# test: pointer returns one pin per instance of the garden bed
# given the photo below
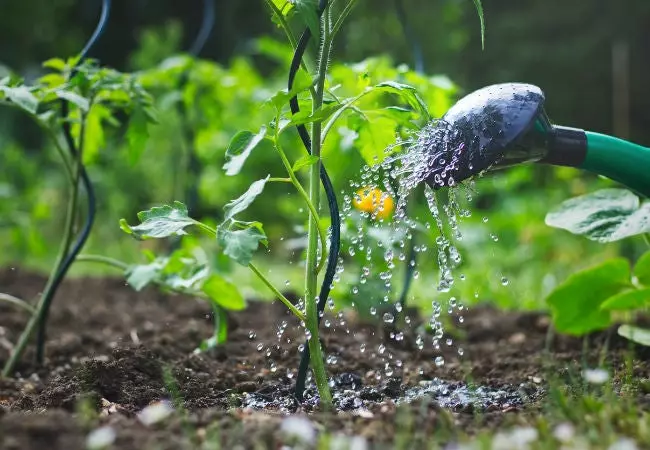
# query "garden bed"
(113, 352)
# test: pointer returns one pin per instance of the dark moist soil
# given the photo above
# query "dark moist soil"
(113, 352)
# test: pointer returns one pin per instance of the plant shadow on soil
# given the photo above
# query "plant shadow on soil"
(110, 348)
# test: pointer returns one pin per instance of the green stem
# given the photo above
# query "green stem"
(64, 247)
(22, 304)
(307, 200)
(646, 238)
(103, 260)
(278, 294)
(280, 180)
(311, 274)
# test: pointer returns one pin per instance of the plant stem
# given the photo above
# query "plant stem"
(311, 274)
(22, 304)
(103, 260)
(280, 180)
(34, 321)
(646, 238)
(307, 199)
(278, 294)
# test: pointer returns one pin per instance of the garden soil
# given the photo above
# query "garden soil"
(113, 351)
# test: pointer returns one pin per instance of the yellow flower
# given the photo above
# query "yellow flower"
(372, 200)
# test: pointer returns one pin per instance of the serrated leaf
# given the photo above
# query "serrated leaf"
(642, 269)
(240, 245)
(160, 222)
(408, 93)
(637, 335)
(304, 161)
(137, 134)
(606, 215)
(576, 302)
(240, 204)
(307, 10)
(240, 148)
(223, 293)
(74, 98)
(22, 97)
(629, 300)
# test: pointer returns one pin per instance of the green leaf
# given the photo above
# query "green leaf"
(160, 222)
(374, 137)
(240, 147)
(575, 304)
(302, 83)
(137, 134)
(637, 335)
(220, 331)
(305, 161)
(55, 63)
(479, 10)
(307, 10)
(321, 114)
(241, 244)
(606, 215)
(22, 97)
(238, 205)
(642, 269)
(629, 300)
(74, 98)
(223, 293)
(139, 276)
(408, 93)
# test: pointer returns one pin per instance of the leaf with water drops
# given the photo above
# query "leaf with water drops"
(606, 215)
(241, 244)
(160, 222)
(242, 202)
(240, 148)
(409, 93)
(576, 303)
(638, 335)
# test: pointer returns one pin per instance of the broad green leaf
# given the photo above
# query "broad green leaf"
(240, 147)
(55, 63)
(629, 300)
(642, 269)
(374, 137)
(241, 244)
(285, 6)
(94, 138)
(305, 161)
(638, 335)
(576, 302)
(160, 222)
(22, 97)
(606, 215)
(409, 93)
(74, 98)
(137, 134)
(479, 10)
(307, 10)
(238, 205)
(223, 293)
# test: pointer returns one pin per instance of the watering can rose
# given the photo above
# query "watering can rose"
(374, 201)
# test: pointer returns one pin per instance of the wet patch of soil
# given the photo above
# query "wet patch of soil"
(113, 352)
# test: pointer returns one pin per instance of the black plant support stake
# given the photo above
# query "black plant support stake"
(335, 236)
(90, 195)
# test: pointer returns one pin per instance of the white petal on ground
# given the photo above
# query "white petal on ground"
(156, 412)
(299, 428)
(595, 376)
(100, 438)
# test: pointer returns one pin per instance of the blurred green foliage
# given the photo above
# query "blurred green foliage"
(202, 104)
